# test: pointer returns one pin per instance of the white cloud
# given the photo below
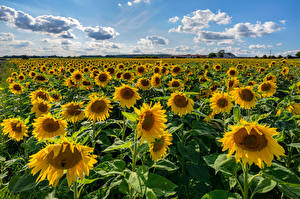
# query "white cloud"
(200, 19)
(173, 19)
(119, 4)
(259, 46)
(6, 36)
(8, 41)
(102, 45)
(289, 52)
(283, 21)
(130, 3)
(151, 41)
(53, 25)
(279, 44)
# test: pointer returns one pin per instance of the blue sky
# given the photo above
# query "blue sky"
(92, 27)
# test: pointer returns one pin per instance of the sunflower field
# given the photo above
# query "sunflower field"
(150, 128)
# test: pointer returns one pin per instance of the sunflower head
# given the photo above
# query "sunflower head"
(270, 78)
(55, 96)
(220, 102)
(40, 78)
(156, 80)
(180, 103)
(176, 70)
(232, 83)
(143, 84)
(252, 143)
(15, 128)
(232, 72)
(47, 126)
(40, 107)
(126, 95)
(16, 88)
(77, 76)
(73, 111)
(98, 108)
(87, 84)
(175, 84)
(127, 76)
(140, 70)
(160, 145)
(56, 159)
(151, 122)
(102, 79)
(245, 97)
(39, 94)
(267, 88)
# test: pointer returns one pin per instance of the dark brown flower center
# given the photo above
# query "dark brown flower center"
(265, 87)
(17, 87)
(175, 84)
(222, 103)
(78, 76)
(127, 93)
(246, 95)
(86, 83)
(127, 76)
(269, 78)
(16, 127)
(42, 95)
(65, 160)
(98, 106)
(141, 69)
(50, 125)
(102, 77)
(145, 82)
(148, 121)
(156, 70)
(158, 145)
(73, 110)
(250, 142)
(40, 78)
(111, 70)
(176, 69)
(232, 72)
(180, 101)
(42, 107)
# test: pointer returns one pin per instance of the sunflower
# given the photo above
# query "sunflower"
(40, 107)
(156, 80)
(39, 94)
(151, 122)
(56, 159)
(270, 78)
(70, 83)
(140, 70)
(175, 84)
(40, 78)
(160, 145)
(16, 88)
(176, 70)
(87, 85)
(156, 69)
(220, 103)
(251, 83)
(73, 111)
(294, 108)
(110, 70)
(143, 84)
(98, 108)
(126, 95)
(232, 72)
(21, 77)
(102, 79)
(217, 67)
(55, 96)
(15, 128)
(47, 126)
(298, 88)
(128, 76)
(267, 88)
(252, 143)
(77, 76)
(245, 97)
(285, 71)
(232, 83)
(32, 74)
(203, 93)
(180, 104)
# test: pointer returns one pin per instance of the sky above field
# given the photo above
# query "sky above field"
(101, 27)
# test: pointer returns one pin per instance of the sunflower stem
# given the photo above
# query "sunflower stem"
(246, 182)
(75, 190)
(124, 128)
(134, 151)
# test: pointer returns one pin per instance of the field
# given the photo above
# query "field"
(150, 128)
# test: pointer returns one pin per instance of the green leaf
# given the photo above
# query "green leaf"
(291, 192)
(296, 145)
(88, 181)
(281, 175)
(165, 165)
(262, 185)
(21, 183)
(136, 182)
(222, 163)
(130, 116)
(221, 194)
(236, 113)
(119, 144)
(150, 194)
(175, 128)
(160, 185)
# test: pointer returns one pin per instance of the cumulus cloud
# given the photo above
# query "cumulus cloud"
(53, 25)
(6, 36)
(153, 40)
(173, 19)
(130, 3)
(259, 46)
(101, 33)
(102, 45)
(200, 19)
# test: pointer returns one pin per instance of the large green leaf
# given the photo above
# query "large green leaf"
(222, 163)
(262, 185)
(281, 175)
(119, 144)
(160, 185)
(130, 116)
(221, 194)
(165, 165)
(21, 183)
(291, 192)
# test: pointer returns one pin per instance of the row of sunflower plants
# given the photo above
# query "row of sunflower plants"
(121, 128)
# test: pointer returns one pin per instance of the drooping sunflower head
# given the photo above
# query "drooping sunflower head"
(98, 108)
(160, 145)
(40, 107)
(220, 102)
(180, 103)
(151, 122)
(245, 97)
(102, 79)
(77, 76)
(143, 83)
(73, 111)
(156, 80)
(16, 88)
(252, 143)
(232, 72)
(268, 88)
(126, 95)
(39, 94)
(47, 126)
(56, 159)
(15, 128)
